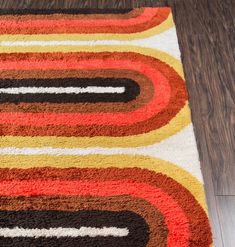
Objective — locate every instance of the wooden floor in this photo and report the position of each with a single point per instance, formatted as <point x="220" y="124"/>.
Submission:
<point x="206" y="30"/>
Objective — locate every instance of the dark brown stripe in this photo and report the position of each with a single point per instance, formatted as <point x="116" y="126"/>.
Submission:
<point x="72" y="16"/>
<point x="146" y="91"/>
<point x="132" y="90"/>
<point x="72" y="242"/>
<point x="88" y="218"/>
<point x="157" y="227"/>
<point x="62" y="11"/>
<point x="198" y="221"/>
<point x="177" y="100"/>
<point x="30" y="219"/>
<point x="159" y="17"/>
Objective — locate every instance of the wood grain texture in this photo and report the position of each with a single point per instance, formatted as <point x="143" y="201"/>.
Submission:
<point x="205" y="31"/>
<point x="226" y="210"/>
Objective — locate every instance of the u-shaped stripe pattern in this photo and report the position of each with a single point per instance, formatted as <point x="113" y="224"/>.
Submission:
<point x="97" y="146"/>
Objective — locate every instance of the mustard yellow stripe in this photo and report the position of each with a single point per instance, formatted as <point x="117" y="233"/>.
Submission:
<point x="103" y="161"/>
<point x="168" y="23"/>
<point x="163" y="56"/>
<point x="181" y="120"/>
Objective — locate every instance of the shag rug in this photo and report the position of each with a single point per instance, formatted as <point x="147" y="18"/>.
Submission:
<point x="97" y="146"/>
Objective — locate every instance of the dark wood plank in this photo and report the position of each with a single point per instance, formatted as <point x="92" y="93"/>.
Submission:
<point x="195" y="73"/>
<point x="211" y="90"/>
<point x="226" y="209"/>
<point x="217" y="72"/>
<point x="80" y="4"/>
<point x="207" y="43"/>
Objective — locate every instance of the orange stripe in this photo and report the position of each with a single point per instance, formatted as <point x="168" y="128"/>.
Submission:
<point x="176" y="220"/>
<point x="159" y="101"/>
<point x="149" y="18"/>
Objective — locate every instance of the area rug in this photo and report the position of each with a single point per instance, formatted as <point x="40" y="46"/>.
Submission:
<point x="97" y="146"/>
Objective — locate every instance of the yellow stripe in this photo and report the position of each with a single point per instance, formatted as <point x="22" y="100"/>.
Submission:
<point x="163" y="56"/>
<point x="181" y="120"/>
<point x="168" y="23"/>
<point x="104" y="161"/>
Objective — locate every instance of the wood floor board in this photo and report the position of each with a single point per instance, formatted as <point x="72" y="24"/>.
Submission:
<point x="226" y="210"/>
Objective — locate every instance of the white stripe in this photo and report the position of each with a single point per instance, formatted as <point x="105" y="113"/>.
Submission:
<point x="60" y="90"/>
<point x="179" y="149"/>
<point x="166" y="41"/>
<point x="64" y="232"/>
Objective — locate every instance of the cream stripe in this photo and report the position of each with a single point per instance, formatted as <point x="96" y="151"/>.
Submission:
<point x="64" y="232"/>
<point x="162" y="42"/>
<point x="186" y="159"/>
<point x="60" y="90"/>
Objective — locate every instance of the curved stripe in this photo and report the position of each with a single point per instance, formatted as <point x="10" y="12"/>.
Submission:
<point x="158" y="102"/>
<point x="149" y="18"/>
<point x="162" y="41"/>
<point x="87" y="218"/>
<point x="83" y="223"/>
<point x="155" y="221"/>
<point x="68" y="14"/>
<point x="158" y="150"/>
<point x="105" y="161"/>
<point x="198" y="222"/>
<point x="150" y="111"/>
<point x="167" y="24"/>
<point x="84" y="236"/>
<point x="163" y="56"/>
<point x="62" y="90"/>
<point x="175" y="218"/>
<point x="142" y="82"/>
<point x="181" y="120"/>
<point x="71" y="14"/>
<point x="34" y="25"/>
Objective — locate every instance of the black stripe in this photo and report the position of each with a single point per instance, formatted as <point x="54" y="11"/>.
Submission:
<point x="65" y="82"/>
<point x="138" y="229"/>
<point x="132" y="90"/>
<point x="62" y="11"/>
<point x="73" y="242"/>
<point x="54" y="218"/>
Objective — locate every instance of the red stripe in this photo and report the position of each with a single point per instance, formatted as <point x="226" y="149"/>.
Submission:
<point x="175" y="218"/>
<point x="159" y="101"/>
<point x="149" y="18"/>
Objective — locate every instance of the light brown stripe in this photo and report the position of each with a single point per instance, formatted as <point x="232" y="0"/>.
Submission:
<point x="132" y="14"/>
<point x="146" y="91"/>
<point x="177" y="100"/>
<point x="200" y="234"/>
<point x="159" y="16"/>
<point x="154" y="219"/>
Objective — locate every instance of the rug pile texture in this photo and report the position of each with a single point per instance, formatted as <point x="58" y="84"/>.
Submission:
<point x="96" y="141"/>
